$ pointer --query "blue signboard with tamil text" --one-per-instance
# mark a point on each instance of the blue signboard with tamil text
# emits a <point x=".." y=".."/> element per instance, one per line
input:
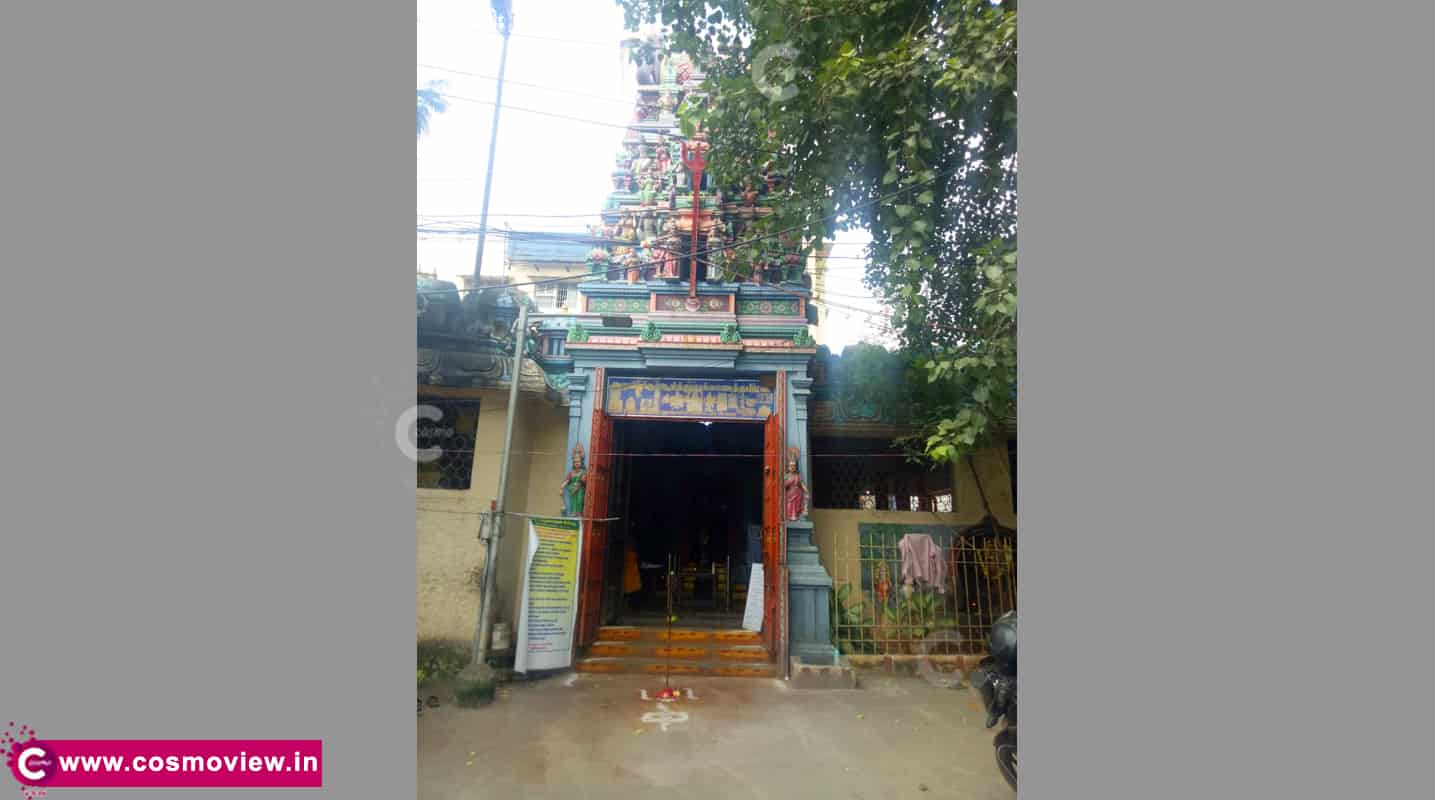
<point x="688" y="397"/>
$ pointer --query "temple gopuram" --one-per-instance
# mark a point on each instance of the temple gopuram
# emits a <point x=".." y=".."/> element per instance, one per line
<point x="717" y="454"/>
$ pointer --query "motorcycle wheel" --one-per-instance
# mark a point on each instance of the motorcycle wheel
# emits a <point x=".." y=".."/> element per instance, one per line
<point x="1005" y="743"/>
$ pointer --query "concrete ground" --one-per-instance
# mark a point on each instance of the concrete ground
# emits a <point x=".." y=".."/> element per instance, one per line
<point x="595" y="737"/>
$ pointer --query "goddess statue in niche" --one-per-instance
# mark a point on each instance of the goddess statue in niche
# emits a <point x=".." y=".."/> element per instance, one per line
<point x="575" y="485"/>
<point x="794" y="489"/>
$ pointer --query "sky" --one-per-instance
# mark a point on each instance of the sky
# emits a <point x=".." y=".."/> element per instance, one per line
<point x="545" y="165"/>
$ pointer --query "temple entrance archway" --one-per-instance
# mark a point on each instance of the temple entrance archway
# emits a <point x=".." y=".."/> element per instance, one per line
<point x="688" y="496"/>
<point x="699" y="493"/>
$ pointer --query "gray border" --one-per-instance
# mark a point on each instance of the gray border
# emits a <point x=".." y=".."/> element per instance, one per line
<point x="1222" y="209"/>
<point x="208" y="339"/>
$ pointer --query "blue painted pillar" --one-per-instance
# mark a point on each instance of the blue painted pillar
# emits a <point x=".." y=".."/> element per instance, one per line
<point x="809" y="587"/>
<point x="579" y="413"/>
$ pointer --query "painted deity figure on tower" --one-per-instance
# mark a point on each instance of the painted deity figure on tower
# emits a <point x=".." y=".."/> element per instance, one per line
<point x="575" y="485"/>
<point x="794" y="488"/>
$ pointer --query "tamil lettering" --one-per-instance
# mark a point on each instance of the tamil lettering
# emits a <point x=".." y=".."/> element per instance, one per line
<point x="688" y="397"/>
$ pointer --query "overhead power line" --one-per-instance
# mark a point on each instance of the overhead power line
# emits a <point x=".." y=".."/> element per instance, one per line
<point x="629" y="103"/>
<point x="571" y="118"/>
<point x="522" y="35"/>
<point x="646" y="266"/>
<point x="563" y="116"/>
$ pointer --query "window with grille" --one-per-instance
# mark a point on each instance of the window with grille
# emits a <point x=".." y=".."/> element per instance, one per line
<point x="454" y="433"/>
<point x="550" y="295"/>
<point x="870" y="474"/>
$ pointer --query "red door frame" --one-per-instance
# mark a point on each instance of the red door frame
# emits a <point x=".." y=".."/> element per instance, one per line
<point x="774" y="549"/>
<point x="595" y="507"/>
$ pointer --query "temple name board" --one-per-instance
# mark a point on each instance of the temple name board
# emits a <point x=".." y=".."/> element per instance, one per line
<point x="688" y="397"/>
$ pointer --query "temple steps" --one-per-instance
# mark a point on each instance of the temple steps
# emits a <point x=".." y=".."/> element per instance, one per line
<point x="678" y="652"/>
<point x="693" y="634"/>
<point x="650" y="666"/>
<point x="654" y="650"/>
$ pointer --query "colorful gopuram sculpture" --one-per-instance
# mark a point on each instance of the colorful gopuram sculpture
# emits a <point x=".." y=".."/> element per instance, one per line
<point x="649" y="217"/>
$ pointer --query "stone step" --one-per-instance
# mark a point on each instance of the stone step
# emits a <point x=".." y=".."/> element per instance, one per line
<point x="705" y="620"/>
<point x="685" y="636"/>
<point x="680" y="651"/>
<point x="656" y="666"/>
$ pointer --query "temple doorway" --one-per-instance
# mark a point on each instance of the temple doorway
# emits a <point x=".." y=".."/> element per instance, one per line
<point x="687" y="495"/>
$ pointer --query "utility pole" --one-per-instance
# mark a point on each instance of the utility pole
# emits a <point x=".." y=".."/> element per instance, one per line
<point x="503" y="13"/>
<point x="496" y="516"/>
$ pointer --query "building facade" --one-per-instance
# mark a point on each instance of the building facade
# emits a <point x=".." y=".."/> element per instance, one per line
<point x="681" y="374"/>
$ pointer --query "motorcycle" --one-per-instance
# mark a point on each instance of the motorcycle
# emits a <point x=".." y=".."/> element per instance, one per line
<point x="995" y="680"/>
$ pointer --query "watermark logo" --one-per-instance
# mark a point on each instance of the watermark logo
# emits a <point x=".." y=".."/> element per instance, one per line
<point x="39" y="766"/>
<point x="31" y="761"/>
<point x="406" y="433"/>
<point x="761" y="69"/>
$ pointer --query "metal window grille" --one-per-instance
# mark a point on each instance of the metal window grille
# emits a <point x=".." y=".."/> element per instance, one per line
<point x="875" y="614"/>
<point x="454" y="433"/>
<point x="846" y="475"/>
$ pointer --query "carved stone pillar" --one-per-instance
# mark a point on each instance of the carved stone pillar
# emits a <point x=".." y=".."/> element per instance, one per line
<point x="799" y="390"/>
<point x="809" y="597"/>
<point x="809" y="586"/>
<point x="577" y="390"/>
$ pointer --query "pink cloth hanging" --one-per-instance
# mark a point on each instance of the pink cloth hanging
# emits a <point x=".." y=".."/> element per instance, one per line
<point x="922" y="561"/>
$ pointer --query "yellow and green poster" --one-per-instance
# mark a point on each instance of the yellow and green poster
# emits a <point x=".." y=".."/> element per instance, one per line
<point x="548" y="607"/>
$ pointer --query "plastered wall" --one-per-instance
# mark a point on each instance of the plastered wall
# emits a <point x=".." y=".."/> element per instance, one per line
<point x="449" y="552"/>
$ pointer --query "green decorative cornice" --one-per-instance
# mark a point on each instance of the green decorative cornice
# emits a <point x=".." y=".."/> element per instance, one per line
<point x="617" y="305"/>
<point x="710" y="304"/>
<point x="768" y="308"/>
<point x="577" y="333"/>
<point x="651" y="333"/>
<point x="803" y="339"/>
<point x="730" y="334"/>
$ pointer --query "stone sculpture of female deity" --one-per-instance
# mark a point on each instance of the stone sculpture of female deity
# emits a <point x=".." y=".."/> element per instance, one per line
<point x="575" y="485"/>
<point x="794" y="489"/>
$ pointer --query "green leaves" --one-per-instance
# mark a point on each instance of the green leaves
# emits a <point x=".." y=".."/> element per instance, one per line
<point x="904" y="123"/>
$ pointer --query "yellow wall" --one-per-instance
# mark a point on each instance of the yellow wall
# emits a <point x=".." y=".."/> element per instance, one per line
<point x="835" y="531"/>
<point x="447" y="521"/>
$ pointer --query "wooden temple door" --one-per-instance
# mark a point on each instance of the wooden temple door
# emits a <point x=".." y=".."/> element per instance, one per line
<point x="595" y="533"/>
<point x="771" y="530"/>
